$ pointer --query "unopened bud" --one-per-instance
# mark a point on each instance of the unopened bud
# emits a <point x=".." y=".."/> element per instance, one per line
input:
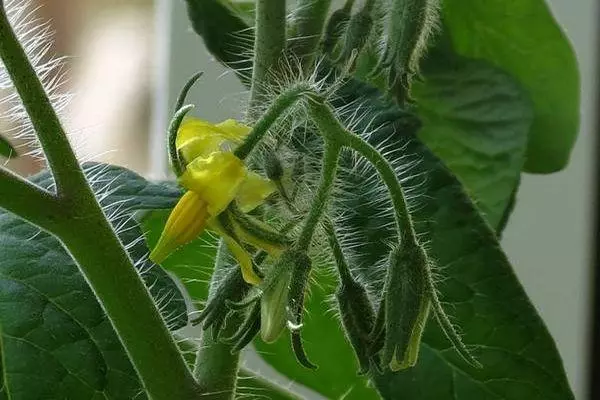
<point x="357" y="34"/>
<point x="273" y="304"/>
<point x="334" y="28"/>
<point x="358" y="319"/>
<point x="273" y="167"/>
<point x="407" y="305"/>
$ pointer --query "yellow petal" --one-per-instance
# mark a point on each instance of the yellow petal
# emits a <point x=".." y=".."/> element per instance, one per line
<point x="244" y="259"/>
<point x="216" y="179"/>
<point x="199" y="138"/>
<point x="186" y="222"/>
<point x="234" y="130"/>
<point x="253" y="191"/>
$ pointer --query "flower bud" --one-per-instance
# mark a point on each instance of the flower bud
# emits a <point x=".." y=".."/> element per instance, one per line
<point x="273" y="167"/>
<point x="407" y="305"/>
<point x="334" y="28"/>
<point x="358" y="319"/>
<point x="273" y="304"/>
<point x="357" y="34"/>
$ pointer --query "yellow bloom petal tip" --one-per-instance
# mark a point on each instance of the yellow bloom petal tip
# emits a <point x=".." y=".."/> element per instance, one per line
<point x="185" y="223"/>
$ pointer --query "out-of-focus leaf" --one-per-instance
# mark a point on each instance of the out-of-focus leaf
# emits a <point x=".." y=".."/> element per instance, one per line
<point x="522" y="38"/>
<point x="476" y="118"/>
<point x="225" y="33"/>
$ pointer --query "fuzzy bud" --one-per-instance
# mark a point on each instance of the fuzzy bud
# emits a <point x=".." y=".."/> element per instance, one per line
<point x="357" y="33"/>
<point x="334" y="28"/>
<point x="358" y="319"/>
<point x="407" y="305"/>
<point x="273" y="167"/>
<point x="409" y="27"/>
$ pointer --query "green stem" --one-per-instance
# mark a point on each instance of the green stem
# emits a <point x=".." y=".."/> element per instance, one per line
<point x="319" y="202"/>
<point x="326" y="120"/>
<point x="88" y="236"/>
<point x="128" y="305"/>
<point x="50" y="132"/>
<point x="28" y="201"/>
<point x="338" y="253"/>
<point x="310" y="21"/>
<point x="216" y="367"/>
<point x="269" y="43"/>
<point x="285" y="100"/>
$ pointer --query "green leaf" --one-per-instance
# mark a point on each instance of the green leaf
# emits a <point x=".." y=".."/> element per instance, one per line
<point x="56" y="340"/>
<point x="477" y="285"/>
<point x="225" y="33"/>
<point x="6" y="149"/>
<point x="522" y="38"/>
<point x="476" y="118"/>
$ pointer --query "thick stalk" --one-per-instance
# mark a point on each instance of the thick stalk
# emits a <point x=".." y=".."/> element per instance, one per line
<point x="29" y="201"/>
<point x="49" y="130"/>
<point x="127" y="303"/>
<point x="86" y="233"/>
<point x="216" y="367"/>
<point x="269" y="44"/>
<point x="308" y="29"/>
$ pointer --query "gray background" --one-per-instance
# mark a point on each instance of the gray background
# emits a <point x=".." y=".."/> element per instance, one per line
<point x="548" y="238"/>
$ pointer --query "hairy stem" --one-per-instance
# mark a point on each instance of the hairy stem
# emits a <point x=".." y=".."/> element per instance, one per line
<point x="338" y="253"/>
<point x="50" y="132"/>
<point x="216" y="367"/>
<point x="28" y="201"/>
<point x="308" y="29"/>
<point x="269" y="44"/>
<point x="325" y="119"/>
<point x="284" y="101"/>
<point x="87" y="234"/>
<point x="319" y="202"/>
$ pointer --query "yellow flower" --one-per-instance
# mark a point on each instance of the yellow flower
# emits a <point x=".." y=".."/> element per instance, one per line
<point x="214" y="177"/>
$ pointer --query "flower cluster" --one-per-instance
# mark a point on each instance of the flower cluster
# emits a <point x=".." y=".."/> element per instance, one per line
<point x="214" y="178"/>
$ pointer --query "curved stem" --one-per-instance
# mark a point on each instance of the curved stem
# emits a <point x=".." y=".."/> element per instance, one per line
<point x="319" y="202"/>
<point x="284" y="101"/>
<point x="176" y="162"/>
<point x="269" y="44"/>
<point x="338" y="253"/>
<point x="327" y="121"/>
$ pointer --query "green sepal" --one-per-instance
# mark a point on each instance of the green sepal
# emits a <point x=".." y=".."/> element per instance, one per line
<point x="407" y="305"/>
<point x="276" y="286"/>
<point x="232" y="288"/>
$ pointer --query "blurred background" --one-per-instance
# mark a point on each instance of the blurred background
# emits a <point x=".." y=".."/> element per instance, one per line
<point x="128" y="59"/>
